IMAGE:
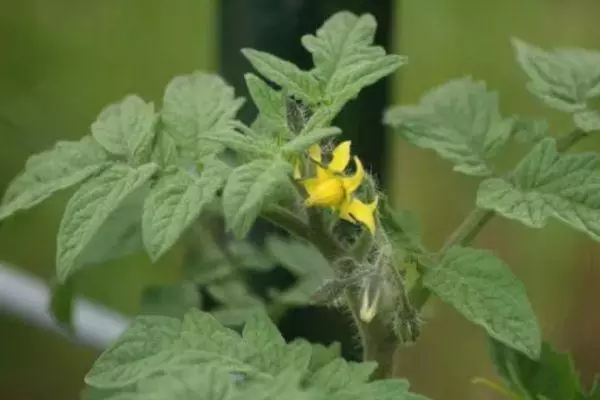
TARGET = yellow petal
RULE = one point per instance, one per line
(310, 184)
(352, 183)
(340, 157)
(357, 211)
(314, 152)
(325, 193)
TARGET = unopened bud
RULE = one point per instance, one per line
(370, 301)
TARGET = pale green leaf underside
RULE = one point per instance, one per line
(459, 120)
(161, 356)
(546, 184)
(175, 202)
(89, 209)
(269, 101)
(344, 56)
(126, 128)
(564, 79)
(248, 190)
(484, 290)
(195, 105)
(66, 164)
(285, 74)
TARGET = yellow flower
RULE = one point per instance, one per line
(331, 188)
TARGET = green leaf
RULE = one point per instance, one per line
(459, 120)
(309, 266)
(162, 355)
(587, 121)
(165, 151)
(304, 141)
(546, 184)
(66, 164)
(244, 144)
(249, 188)
(344, 56)
(89, 209)
(403, 228)
(552, 377)
(249, 256)
(565, 79)
(127, 128)
(285, 74)
(141, 351)
(236, 299)
(195, 105)
(484, 290)
(529, 131)
(269, 101)
(175, 202)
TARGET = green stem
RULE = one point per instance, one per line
(378, 340)
(475, 222)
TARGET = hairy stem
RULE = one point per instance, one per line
(378, 341)
(475, 222)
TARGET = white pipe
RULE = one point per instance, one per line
(28, 297)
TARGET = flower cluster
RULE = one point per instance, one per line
(333, 189)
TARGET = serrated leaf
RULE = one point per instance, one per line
(529, 131)
(236, 299)
(89, 209)
(306, 263)
(269, 101)
(247, 190)
(304, 141)
(459, 120)
(484, 290)
(165, 151)
(138, 353)
(61, 303)
(345, 58)
(175, 202)
(546, 184)
(340, 373)
(552, 377)
(565, 78)
(241, 143)
(126, 128)
(195, 105)
(285, 74)
(66, 164)
(386, 389)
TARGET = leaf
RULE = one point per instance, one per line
(459, 120)
(546, 184)
(138, 353)
(344, 56)
(175, 202)
(66, 164)
(484, 290)
(565, 78)
(126, 128)
(241, 143)
(250, 256)
(587, 121)
(90, 207)
(165, 151)
(247, 190)
(306, 263)
(269, 101)
(160, 356)
(552, 377)
(285, 74)
(529, 131)
(195, 105)
(403, 228)
(236, 299)
(304, 141)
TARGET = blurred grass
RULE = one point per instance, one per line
(62, 61)
(450, 39)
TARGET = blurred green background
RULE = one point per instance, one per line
(61, 61)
